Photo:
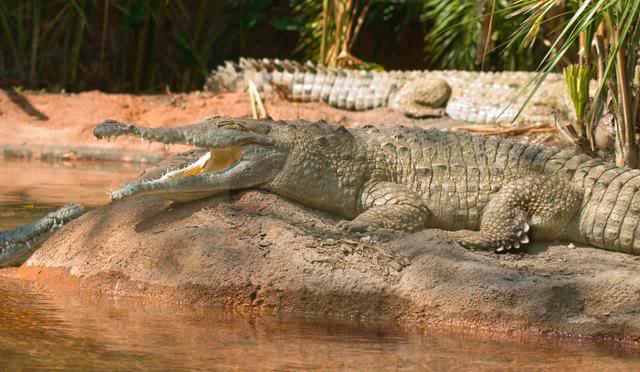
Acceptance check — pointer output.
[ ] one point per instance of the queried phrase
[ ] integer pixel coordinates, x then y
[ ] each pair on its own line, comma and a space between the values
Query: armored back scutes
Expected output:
479, 97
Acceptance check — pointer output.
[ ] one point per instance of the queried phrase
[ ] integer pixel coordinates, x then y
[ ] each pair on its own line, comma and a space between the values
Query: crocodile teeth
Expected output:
524, 240
516, 245
499, 249
191, 170
526, 227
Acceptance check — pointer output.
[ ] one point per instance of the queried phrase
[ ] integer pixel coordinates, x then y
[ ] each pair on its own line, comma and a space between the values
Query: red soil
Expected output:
34, 119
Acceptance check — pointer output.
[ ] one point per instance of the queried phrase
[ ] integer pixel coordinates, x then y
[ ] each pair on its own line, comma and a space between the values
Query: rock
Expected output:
142, 248
422, 98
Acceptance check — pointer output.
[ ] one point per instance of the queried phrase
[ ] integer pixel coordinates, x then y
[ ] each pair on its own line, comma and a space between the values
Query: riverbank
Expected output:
42, 123
256, 251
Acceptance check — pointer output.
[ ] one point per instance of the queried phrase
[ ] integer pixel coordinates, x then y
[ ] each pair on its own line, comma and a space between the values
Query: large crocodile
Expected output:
489, 192
18, 244
482, 97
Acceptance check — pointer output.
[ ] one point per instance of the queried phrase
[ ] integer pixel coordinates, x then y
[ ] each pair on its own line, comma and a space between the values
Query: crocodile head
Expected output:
292, 159
18, 244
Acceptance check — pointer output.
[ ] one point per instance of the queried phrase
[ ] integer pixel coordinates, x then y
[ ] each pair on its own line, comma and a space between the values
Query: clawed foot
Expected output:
477, 240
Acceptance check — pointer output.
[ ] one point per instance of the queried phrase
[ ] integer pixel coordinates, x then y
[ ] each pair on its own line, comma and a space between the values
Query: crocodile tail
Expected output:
610, 216
224, 78
351, 89
340, 88
18, 244
265, 73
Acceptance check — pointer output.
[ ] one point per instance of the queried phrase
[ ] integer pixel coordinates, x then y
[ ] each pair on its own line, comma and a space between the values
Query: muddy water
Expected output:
44, 328
31, 189
51, 326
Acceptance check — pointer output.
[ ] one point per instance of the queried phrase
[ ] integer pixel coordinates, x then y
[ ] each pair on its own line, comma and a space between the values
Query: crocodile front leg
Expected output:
388, 205
546, 205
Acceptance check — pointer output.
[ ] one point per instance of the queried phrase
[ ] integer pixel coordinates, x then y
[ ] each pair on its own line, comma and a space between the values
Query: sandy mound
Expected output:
256, 250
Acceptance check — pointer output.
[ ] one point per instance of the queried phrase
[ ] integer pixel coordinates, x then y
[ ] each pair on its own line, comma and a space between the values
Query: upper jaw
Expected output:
16, 245
206, 134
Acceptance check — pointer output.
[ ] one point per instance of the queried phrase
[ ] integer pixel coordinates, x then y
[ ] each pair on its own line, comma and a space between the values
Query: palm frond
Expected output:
457, 36
616, 59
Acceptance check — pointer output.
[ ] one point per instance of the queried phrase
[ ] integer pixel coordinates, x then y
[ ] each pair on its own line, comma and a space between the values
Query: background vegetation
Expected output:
152, 45
156, 45
607, 36
129, 45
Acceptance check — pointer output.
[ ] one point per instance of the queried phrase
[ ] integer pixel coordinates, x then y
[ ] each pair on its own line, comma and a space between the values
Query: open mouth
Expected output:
216, 160
228, 156
187, 176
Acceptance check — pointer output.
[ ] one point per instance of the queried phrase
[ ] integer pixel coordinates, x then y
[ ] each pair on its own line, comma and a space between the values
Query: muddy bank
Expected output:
256, 250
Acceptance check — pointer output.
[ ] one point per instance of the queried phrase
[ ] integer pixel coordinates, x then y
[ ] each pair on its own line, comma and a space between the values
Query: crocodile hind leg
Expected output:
388, 205
537, 206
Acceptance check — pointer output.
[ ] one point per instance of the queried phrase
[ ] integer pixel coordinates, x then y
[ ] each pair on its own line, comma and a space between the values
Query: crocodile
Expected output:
489, 193
18, 244
479, 97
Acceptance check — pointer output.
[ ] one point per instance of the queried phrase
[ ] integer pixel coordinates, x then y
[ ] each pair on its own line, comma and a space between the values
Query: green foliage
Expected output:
578, 78
455, 37
397, 16
469, 35
150, 45
122, 45
614, 28
309, 28
452, 40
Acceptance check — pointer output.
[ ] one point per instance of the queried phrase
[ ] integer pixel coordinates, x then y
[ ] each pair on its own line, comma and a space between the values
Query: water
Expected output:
45, 326
31, 189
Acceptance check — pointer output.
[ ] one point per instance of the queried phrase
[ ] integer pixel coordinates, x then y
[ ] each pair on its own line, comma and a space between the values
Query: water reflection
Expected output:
44, 328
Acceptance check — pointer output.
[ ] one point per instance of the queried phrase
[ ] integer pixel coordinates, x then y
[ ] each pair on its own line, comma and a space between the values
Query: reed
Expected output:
122, 45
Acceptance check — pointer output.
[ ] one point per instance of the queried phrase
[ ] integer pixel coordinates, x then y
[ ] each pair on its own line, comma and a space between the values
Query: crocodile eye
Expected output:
229, 124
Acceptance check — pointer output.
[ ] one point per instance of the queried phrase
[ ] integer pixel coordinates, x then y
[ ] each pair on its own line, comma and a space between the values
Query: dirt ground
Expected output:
34, 124
254, 250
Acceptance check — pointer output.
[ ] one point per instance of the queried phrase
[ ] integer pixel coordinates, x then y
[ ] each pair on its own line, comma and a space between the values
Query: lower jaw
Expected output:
176, 196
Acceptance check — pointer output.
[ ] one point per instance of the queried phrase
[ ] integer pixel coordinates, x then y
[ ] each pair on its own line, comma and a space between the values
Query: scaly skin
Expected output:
18, 244
480, 97
493, 193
